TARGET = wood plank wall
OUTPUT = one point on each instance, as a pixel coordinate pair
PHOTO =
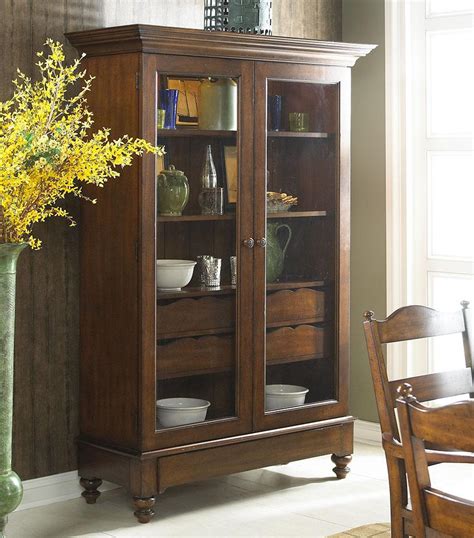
(47, 354)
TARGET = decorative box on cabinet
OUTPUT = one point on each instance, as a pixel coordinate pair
(140, 344)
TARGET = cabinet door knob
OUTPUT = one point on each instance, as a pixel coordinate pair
(249, 243)
(262, 242)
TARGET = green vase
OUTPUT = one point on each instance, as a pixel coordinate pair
(275, 252)
(11, 489)
(173, 192)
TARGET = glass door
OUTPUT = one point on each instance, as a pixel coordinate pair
(303, 246)
(203, 211)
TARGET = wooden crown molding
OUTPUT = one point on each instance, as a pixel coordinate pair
(190, 42)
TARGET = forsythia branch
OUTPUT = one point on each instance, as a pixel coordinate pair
(47, 150)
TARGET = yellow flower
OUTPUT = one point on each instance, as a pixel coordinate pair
(47, 151)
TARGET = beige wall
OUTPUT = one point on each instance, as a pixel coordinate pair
(363, 22)
(47, 354)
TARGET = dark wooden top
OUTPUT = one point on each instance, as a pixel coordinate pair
(190, 42)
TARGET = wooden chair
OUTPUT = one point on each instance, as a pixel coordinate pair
(410, 323)
(436, 513)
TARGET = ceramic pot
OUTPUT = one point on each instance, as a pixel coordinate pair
(173, 192)
(218, 105)
(276, 253)
(11, 489)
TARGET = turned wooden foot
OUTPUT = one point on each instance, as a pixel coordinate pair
(91, 485)
(342, 463)
(144, 508)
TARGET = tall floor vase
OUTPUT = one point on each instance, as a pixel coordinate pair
(11, 489)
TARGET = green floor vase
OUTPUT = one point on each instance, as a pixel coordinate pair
(11, 489)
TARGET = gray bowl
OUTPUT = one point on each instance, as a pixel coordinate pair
(180, 411)
(283, 396)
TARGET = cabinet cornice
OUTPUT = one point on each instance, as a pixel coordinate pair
(190, 42)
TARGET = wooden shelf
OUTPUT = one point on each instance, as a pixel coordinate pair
(190, 334)
(228, 290)
(295, 134)
(295, 284)
(293, 323)
(296, 214)
(227, 330)
(204, 371)
(289, 360)
(219, 370)
(196, 218)
(195, 292)
(193, 131)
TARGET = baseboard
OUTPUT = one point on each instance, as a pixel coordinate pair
(367, 432)
(54, 488)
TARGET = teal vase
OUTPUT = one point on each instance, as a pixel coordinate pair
(275, 251)
(11, 489)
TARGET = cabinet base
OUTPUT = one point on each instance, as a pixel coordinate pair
(149, 473)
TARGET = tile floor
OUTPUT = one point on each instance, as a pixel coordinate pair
(299, 499)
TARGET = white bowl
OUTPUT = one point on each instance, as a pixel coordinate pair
(173, 275)
(179, 411)
(283, 396)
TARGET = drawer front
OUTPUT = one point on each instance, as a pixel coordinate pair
(295, 306)
(195, 315)
(286, 343)
(193, 356)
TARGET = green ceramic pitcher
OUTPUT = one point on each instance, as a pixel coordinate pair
(275, 252)
(173, 192)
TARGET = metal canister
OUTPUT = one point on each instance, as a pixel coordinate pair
(218, 104)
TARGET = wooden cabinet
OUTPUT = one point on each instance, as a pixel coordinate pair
(285, 321)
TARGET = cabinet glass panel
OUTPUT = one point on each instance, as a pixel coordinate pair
(302, 128)
(197, 212)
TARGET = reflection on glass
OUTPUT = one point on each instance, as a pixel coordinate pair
(300, 251)
(196, 325)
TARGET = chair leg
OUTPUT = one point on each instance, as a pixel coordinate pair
(398, 498)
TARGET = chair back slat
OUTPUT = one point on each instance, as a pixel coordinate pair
(414, 322)
(450, 426)
(447, 427)
(448, 514)
(435, 386)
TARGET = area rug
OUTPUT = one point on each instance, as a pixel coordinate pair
(380, 530)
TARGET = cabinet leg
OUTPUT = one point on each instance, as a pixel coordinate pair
(342, 463)
(144, 508)
(91, 485)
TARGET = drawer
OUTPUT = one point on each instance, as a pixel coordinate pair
(287, 306)
(288, 343)
(195, 315)
(193, 356)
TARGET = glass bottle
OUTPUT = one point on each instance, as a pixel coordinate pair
(208, 172)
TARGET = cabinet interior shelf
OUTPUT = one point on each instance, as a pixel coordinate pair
(195, 218)
(231, 216)
(227, 330)
(193, 131)
(296, 214)
(197, 291)
(190, 334)
(225, 369)
(296, 134)
(296, 284)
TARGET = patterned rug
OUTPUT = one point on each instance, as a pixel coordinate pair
(380, 530)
